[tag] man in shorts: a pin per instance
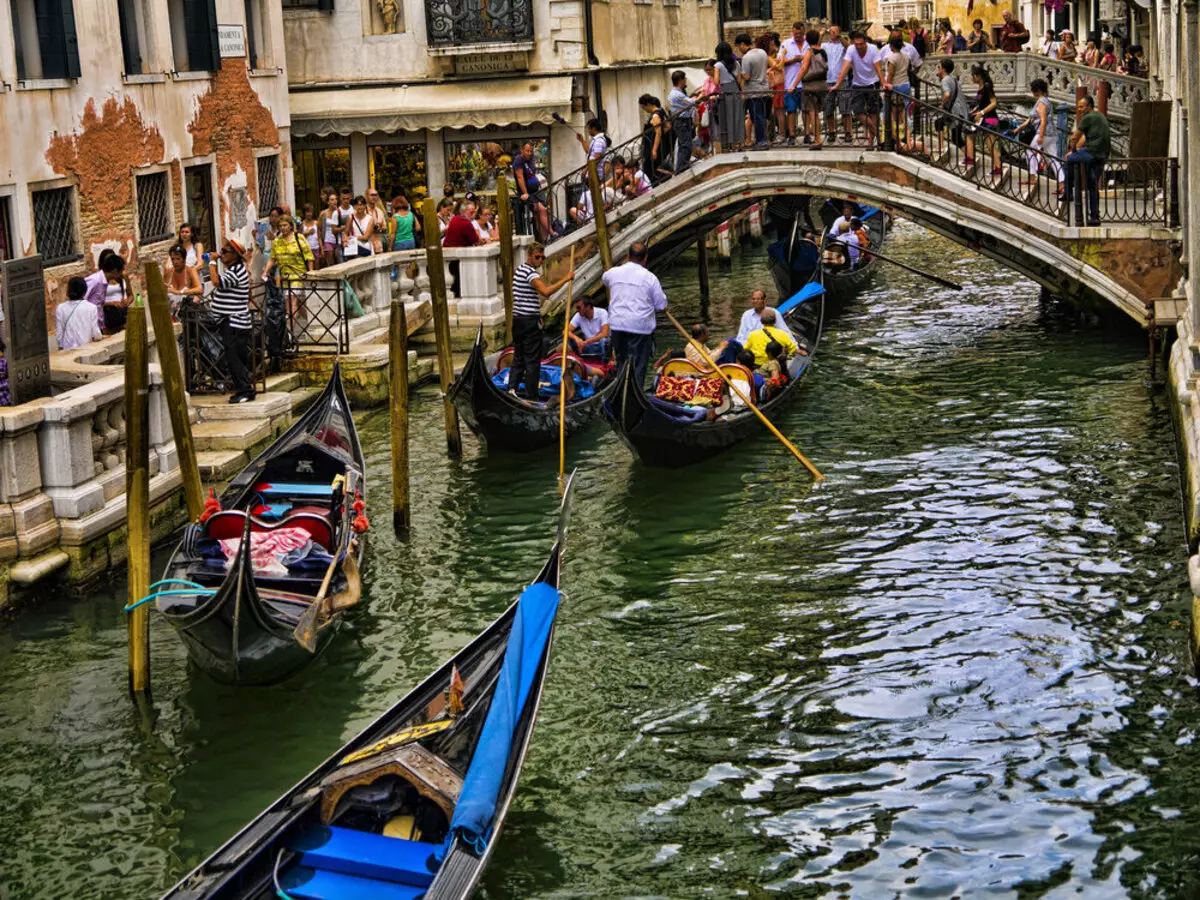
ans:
(836, 102)
(531, 190)
(864, 60)
(791, 53)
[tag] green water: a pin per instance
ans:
(956, 669)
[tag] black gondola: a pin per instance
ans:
(794, 260)
(508, 422)
(659, 433)
(256, 624)
(412, 807)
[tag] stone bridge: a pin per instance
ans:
(1128, 266)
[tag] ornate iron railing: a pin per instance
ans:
(457, 22)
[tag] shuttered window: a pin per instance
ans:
(44, 39)
(194, 35)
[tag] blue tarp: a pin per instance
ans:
(476, 807)
(810, 290)
(548, 384)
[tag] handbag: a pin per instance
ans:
(705, 116)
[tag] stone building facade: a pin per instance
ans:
(409, 95)
(125, 118)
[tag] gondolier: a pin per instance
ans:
(635, 296)
(231, 307)
(528, 290)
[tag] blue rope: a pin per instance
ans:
(154, 595)
(182, 581)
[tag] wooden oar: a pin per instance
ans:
(562, 380)
(737, 390)
(894, 262)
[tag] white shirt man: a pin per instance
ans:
(635, 296)
(791, 54)
(864, 65)
(76, 324)
(835, 53)
(752, 318)
(913, 56)
(591, 325)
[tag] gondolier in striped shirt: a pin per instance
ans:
(231, 306)
(528, 291)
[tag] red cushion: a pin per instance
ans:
(230, 523)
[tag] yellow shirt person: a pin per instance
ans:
(760, 337)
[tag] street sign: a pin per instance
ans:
(232, 41)
(26, 340)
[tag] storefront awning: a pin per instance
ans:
(520, 101)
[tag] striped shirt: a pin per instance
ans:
(526, 300)
(231, 298)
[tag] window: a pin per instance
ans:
(44, 38)
(740, 10)
(54, 225)
(268, 184)
(255, 33)
(133, 35)
(198, 192)
(325, 6)
(7, 238)
(319, 168)
(154, 208)
(454, 22)
(474, 165)
(194, 41)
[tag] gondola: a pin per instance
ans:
(793, 260)
(413, 806)
(665, 435)
(258, 587)
(508, 422)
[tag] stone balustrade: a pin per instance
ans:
(1012, 72)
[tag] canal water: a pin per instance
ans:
(958, 668)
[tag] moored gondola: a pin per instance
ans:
(258, 587)
(793, 259)
(506, 421)
(412, 807)
(665, 434)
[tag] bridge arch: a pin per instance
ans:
(1120, 265)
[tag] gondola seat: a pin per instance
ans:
(367, 855)
(230, 523)
(303, 883)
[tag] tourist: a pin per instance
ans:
(983, 111)
(308, 228)
(842, 222)
(791, 56)
(290, 259)
(635, 295)
(755, 88)
(683, 117)
(1013, 35)
(344, 216)
(746, 359)
(637, 183)
(379, 217)
(865, 61)
(1091, 54)
(1135, 62)
(117, 294)
(183, 281)
(752, 318)
(595, 145)
(531, 190)
(75, 318)
(1108, 62)
(813, 77)
(460, 232)
(721, 354)
(404, 225)
(589, 335)
(231, 307)
(1049, 46)
(960, 42)
(977, 40)
(709, 95)
(729, 107)
(583, 212)
(767, 331)
(446, 209)
(1089, 145)
(837, 102)
(485, 225)
(775, 80)
(945, 39)
(1067, 51)
(528, 291)
(358, 230)
(919, 38)
(899, 64)
(1043, 149)
(656, 146)
(326, 223)
(954, 104)
(193, 249)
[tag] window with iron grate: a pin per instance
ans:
(268, 184)
(154, 208)
(54, 225)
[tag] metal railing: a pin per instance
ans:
(458, 22)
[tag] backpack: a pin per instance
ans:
(919, 43)
(960, 44)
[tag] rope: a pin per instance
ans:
(154, 595)
(279, 891)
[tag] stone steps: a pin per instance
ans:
(217, 408)
(220, 465)
(226, 434)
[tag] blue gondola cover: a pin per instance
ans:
(476, 807)
(810, 290)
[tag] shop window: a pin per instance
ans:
(194, 41)
(54, 228)
(197, 186)
(747, 10)
(44, 39)
(474, 165)
(154, 208)
(268, 184)
(316, 169)
(399, 169)
(8, 249)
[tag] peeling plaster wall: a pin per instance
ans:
(94, 132)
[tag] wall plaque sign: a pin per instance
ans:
(26, 343)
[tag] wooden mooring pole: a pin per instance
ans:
(504, 226)
(601, 214)
(441, 321)
(702, 263)
(398, 358)
(172, 373)
(137, 494)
